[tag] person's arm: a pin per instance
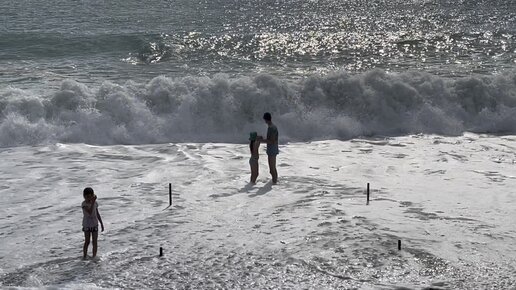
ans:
(271, 139)
(100, 220)
(266, 141)
(263, 140)
(89, 209)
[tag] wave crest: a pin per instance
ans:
(223, 109)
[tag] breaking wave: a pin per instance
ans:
(220, 108)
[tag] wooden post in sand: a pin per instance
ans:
(160, 251)
(367, 194)
(170, 193)
(399, 245)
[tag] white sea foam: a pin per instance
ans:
(224, 109)
(448, 199)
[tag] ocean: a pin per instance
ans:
(416, 97)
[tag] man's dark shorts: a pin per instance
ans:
(272, 149)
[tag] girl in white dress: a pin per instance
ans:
(90, 220)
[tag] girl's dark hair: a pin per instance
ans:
(87, 191)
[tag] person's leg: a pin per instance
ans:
(95, 236)
(257, 171)
(272, 168)
(86, 244)
(254, 171)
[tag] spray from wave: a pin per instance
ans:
(224, 109)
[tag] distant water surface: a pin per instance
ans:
(45, 42)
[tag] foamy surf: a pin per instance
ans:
(447, 199)
(223, 109)
(128, 96)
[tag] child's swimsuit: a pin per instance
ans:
(90, 223)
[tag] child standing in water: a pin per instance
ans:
(90, 220)
(254, 144)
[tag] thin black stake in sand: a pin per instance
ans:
(170, 193)
(367, 194)
(399, 245)
(160, 251)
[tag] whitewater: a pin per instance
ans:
(224, 109)
(415, 98)
(449, 200)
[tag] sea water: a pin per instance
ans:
(448, 200)
(128, 96)
(127, 72)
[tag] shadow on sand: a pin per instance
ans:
(263, 190)
(247, 188)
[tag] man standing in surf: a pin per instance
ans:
(272, 146)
